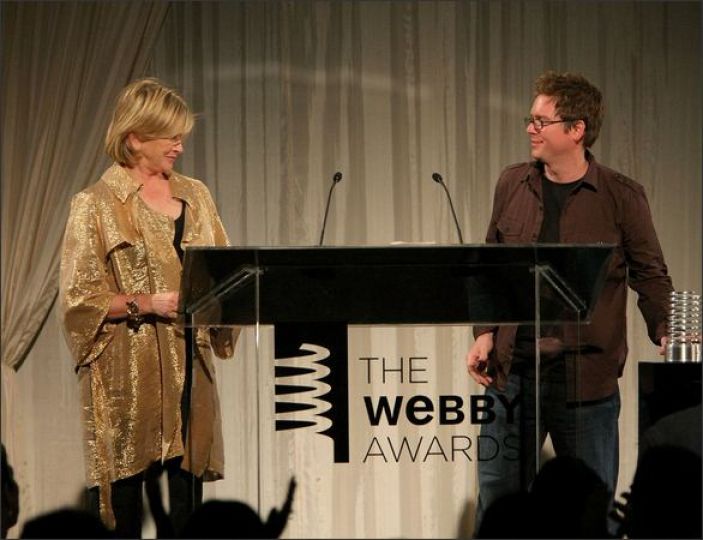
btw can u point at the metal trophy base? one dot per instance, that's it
(683, 352)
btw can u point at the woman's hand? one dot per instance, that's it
(160, 304)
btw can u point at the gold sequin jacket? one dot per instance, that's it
(131, 381)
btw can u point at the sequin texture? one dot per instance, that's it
(131, 381)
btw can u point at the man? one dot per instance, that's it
(565, 196)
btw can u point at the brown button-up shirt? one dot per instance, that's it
(606, 207)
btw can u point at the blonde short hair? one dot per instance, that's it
(150, 110)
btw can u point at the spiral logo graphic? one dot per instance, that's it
(311, 389)
(300, 377)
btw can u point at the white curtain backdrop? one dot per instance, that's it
(63, 64)
(387, 93)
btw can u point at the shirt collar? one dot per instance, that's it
(590, 179)
(181, 188)
(120, 182)
(123, 185)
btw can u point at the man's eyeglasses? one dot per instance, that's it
(540, 123)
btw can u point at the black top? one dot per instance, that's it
(554, 197)
(178, 236)
(185, 397)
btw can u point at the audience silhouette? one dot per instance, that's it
(510, 516)
(65, 523)
(566, 500)
(234, 519)
(10, 496)
(225, 519)
(569, 500)
(213, 519)
(665, 499)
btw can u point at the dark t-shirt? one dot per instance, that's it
(554, 197)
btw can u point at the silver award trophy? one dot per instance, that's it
(684, 327)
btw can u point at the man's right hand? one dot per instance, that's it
(477, 359)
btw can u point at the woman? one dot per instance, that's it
(120, 276)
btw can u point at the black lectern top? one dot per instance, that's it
(408, 284)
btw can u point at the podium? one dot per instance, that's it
(312, 295)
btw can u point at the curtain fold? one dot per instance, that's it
(63, 64)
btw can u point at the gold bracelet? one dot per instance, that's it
(134, 319)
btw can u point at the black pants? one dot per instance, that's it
(185, 493)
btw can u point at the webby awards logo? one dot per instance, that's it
(312, 393)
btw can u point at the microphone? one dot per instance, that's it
(336, 179)
(438, 178)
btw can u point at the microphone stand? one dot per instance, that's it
(438, 178)
(335, 180)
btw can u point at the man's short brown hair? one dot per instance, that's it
(575, 98)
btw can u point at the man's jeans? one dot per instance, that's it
(587, 430)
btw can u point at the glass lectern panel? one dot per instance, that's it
(396, 319)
